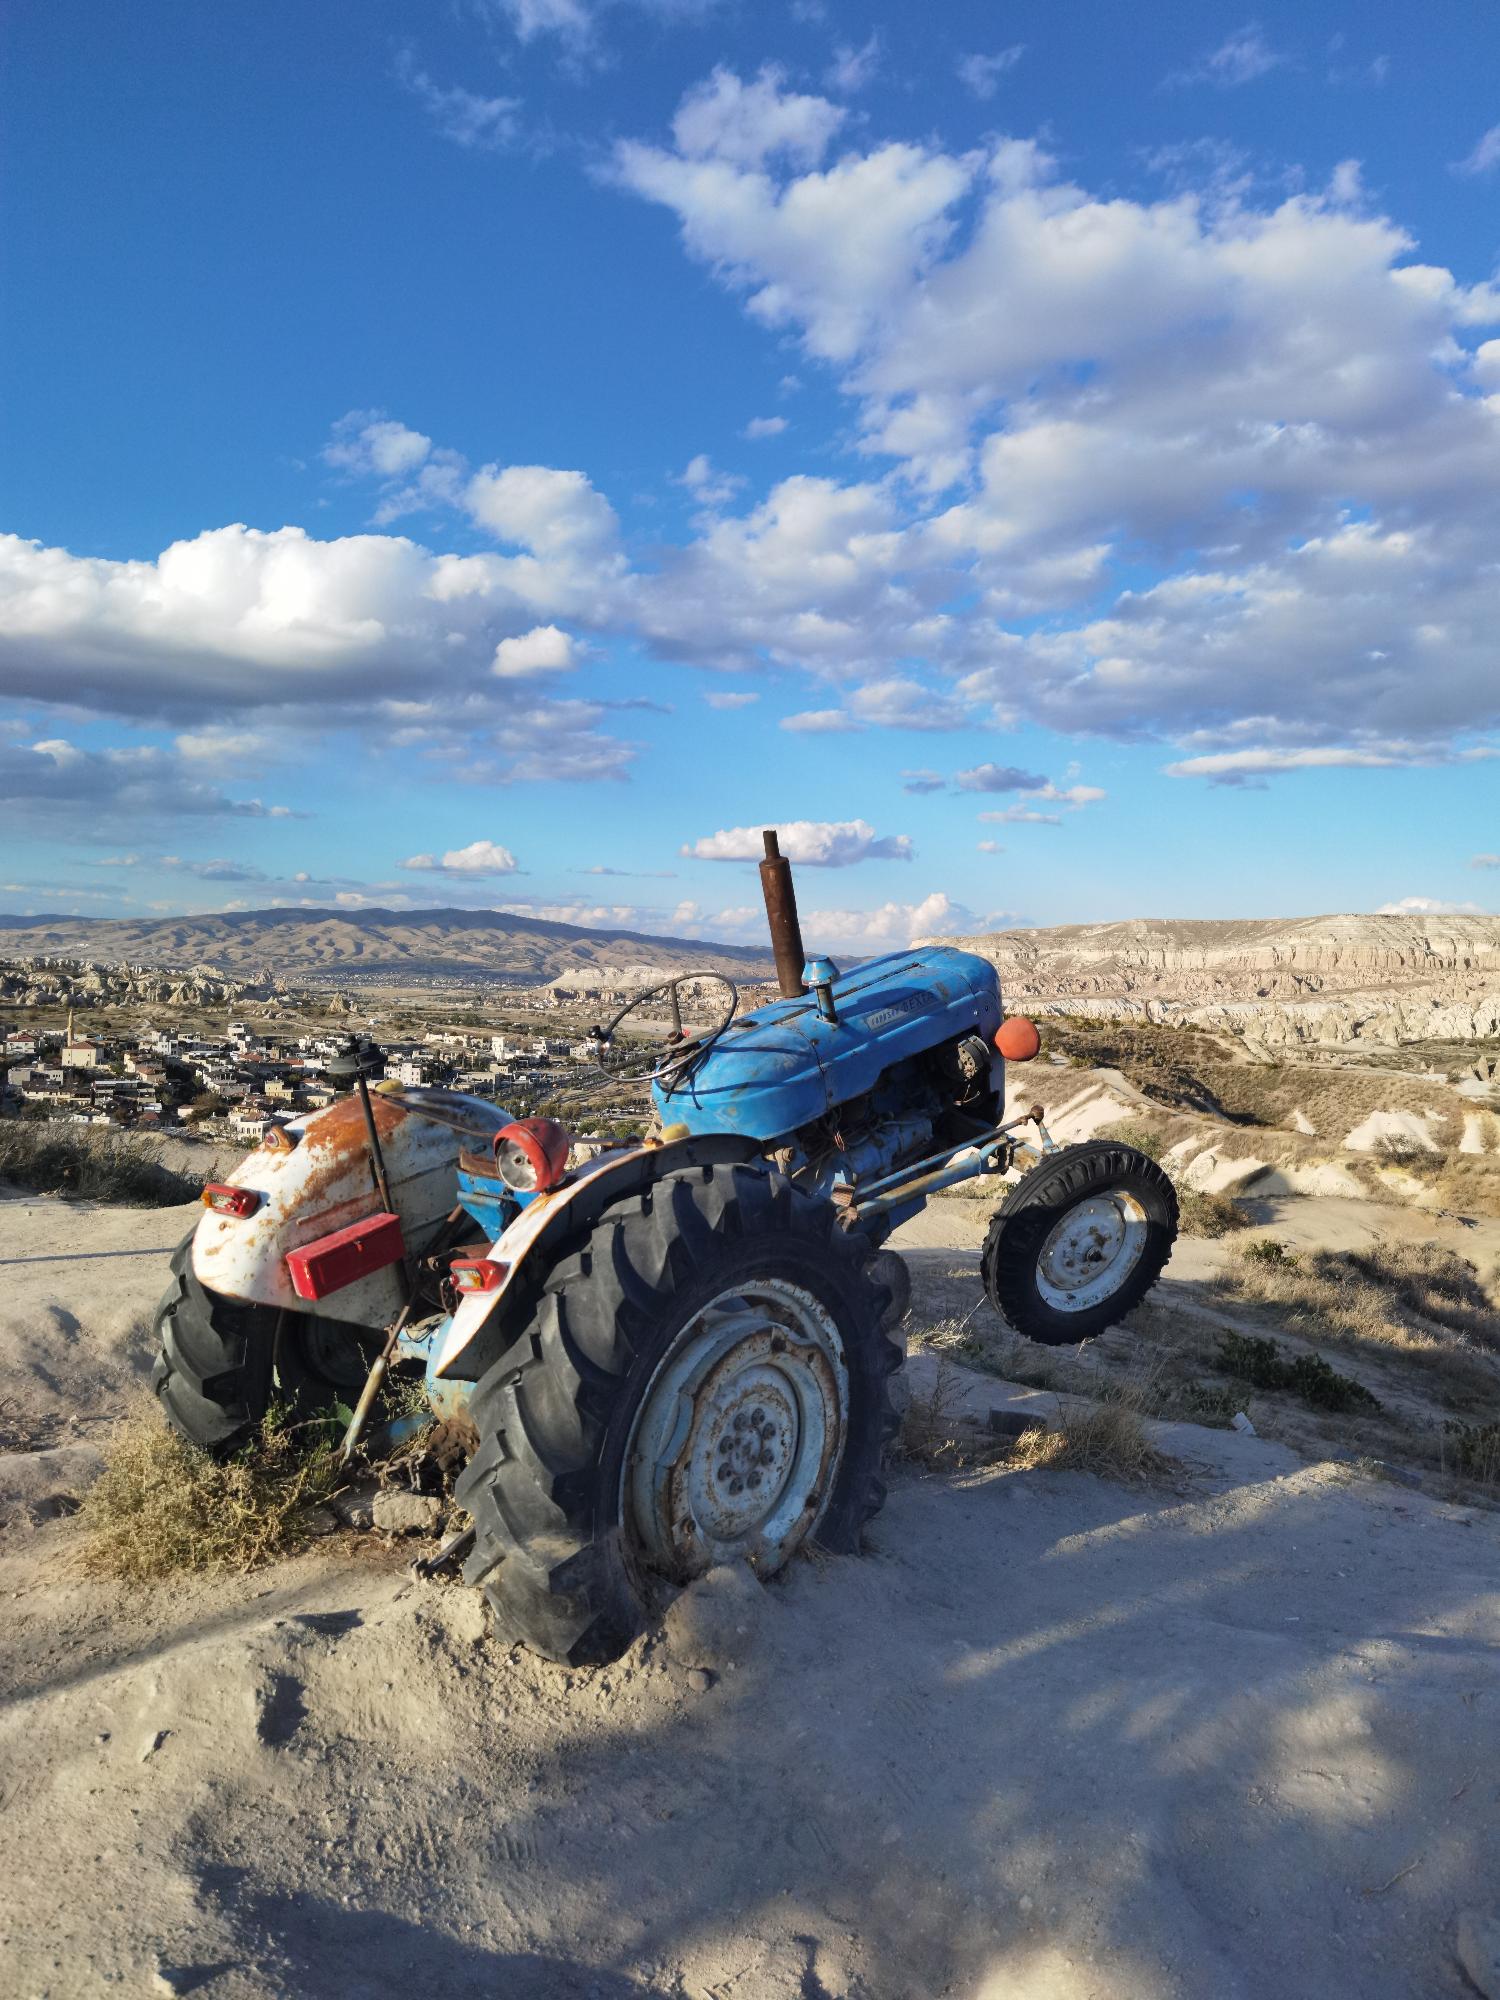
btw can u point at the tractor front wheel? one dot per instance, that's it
(1079, 1241)
(703, 1379)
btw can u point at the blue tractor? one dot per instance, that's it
(679, 1353)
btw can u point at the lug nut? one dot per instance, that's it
(736, 1485)
(755, 1479)
(766, 1455)
(757, 1416)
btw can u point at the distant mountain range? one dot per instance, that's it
(327, 947)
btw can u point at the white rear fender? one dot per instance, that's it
(325, 1182)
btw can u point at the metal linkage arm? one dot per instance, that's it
(990, 1152)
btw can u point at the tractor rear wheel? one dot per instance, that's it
(1079, 1241)
(702, 1379)
(219, 1364)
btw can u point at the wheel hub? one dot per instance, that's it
(1091, 1251)
(740, 1433)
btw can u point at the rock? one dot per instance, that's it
(700, 1680)
(406, 1513)
(355, 1506)
(1012, 1423)
(1478, 1945)
(715, 1621)
(171, 1979)
(321, 1521)
(1240, 1422)
(153, 1743)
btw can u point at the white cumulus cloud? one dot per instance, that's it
(545, 649)
(813, 843)
(1428, 906)
(480, 857)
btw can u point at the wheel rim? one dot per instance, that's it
(1089, 1254)
(740, 1434)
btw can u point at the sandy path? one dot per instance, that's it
(1049, 1739)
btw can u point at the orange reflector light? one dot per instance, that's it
(478, 1274)
(1017, 1039)
(230, 1200)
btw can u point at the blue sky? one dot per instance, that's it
(505, 453)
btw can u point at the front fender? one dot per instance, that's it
(482, 1328)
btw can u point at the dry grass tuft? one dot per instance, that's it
(1106, 1439)
(1419, 1304)
(162, 1506)
(936, 1433)
(91, 1163)
(1202, 1214)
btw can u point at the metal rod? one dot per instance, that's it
(781, 915)
(982, 1142)
(382, 1185)
(455, 1546)
(379, 1368)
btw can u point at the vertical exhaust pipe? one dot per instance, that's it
(781, 915)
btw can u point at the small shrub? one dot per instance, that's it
(1263, 1363)
(91, 1163)
(161, 1505)
(1202, 1214)
(1130, 1132)
(1473, 1450)
(1266, 1250)
(1203, 1403)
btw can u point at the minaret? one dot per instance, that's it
(70, 1027)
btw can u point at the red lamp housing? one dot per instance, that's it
(531, 1156)
(477, 1274)
(338, 1260)
(225, 1200)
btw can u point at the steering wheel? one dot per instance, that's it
(669, 1063)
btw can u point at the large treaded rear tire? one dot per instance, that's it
(213, 1374)
(1031, 1213)
(553, 1543)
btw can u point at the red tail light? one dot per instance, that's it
(531, 1156)
(478, 1274)
(224, 1200)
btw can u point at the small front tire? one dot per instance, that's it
(1079, 1242)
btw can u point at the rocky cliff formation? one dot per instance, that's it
(1329, 980)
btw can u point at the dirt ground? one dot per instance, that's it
(1051, 1738)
